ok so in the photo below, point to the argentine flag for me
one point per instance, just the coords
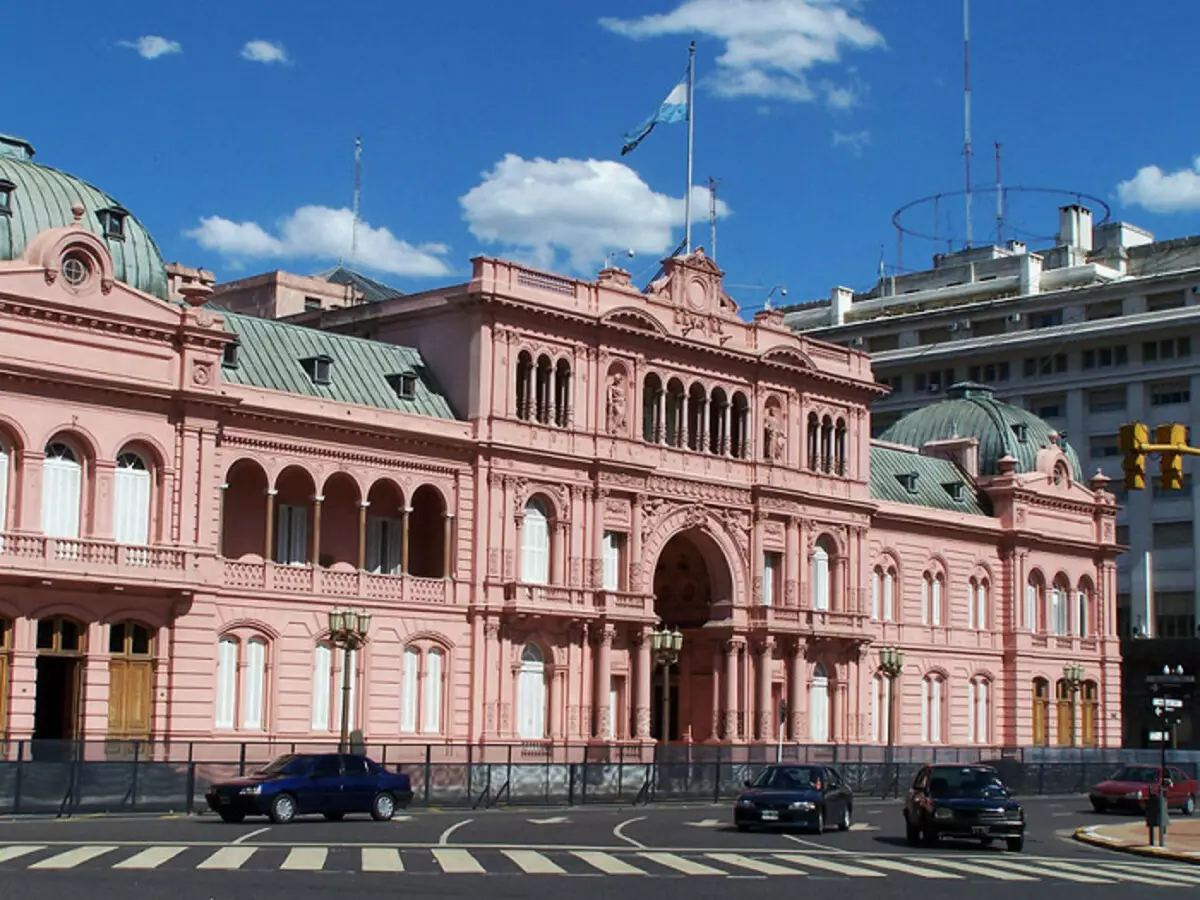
(673, 109)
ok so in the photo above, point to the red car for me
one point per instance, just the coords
(1130, 787)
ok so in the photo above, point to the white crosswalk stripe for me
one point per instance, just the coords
(399, 861)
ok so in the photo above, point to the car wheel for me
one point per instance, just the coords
(335, 817)
(283, 809)
(1189, 806)
(929, 837)
(1016, 844)
(383, 807)
(819, 825)
(912, 834)
(844, 821)
(232, 817)
(985, 842)
(1099, 806)
(742, 826)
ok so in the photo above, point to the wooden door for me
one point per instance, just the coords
(129, 699)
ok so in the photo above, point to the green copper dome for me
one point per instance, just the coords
(972, 410)
(34, 197)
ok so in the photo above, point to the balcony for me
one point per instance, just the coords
(835, 623)
(546, 599)
(270, 577)
(776, 618)
(89, 559)
(623, 605)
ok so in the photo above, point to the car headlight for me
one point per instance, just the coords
(1134, 795)
(252, 789)
(744, 803)
(942, 813)
(802, 804)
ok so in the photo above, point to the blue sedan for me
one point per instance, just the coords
(811, 796)
(331, 784)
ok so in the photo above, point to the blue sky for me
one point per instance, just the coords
(228, 127)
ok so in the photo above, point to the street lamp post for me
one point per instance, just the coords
(347, 630)
(1073, 677)
(665, 645)
(891, 664)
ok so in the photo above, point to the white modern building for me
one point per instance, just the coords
(1102, 328)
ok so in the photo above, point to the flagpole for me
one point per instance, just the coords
(687, 197)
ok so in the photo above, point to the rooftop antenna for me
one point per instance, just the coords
(999, 201)
(357, 194)
(712, 217)
(967, 109)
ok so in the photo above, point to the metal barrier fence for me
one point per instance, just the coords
(68, 778)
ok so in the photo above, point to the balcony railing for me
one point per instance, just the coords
(522, 597)
(623, 604)
(90, 556)
(277, 578)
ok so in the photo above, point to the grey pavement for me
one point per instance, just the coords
(502, 852)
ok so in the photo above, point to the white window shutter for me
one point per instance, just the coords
(971, 604)
(889, 592)
(1031, 595)
(254, 683)
(612, 562)
(876, 593)
(768, 579)
(374, 544)
(925, 590)
(299, 548)
(62, 487)
(820, 578)
(227, 662)
(981, 605)
(535, 546)
(935, 711)
(5, 462)
(321, 686)
(971, 726)
(131, 506)
(1082, 616)
(937, 601)
(409, 688)
(613, 698)
(431, 710)
(983, 711)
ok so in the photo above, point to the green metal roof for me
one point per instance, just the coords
(373, 291)
(43, 198)
(972, 410)
(272, 355)
(892, 479)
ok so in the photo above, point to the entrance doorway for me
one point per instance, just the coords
(131, 678)
(59, 687)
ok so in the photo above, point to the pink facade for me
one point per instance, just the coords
(175, 532)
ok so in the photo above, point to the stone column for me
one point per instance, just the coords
(317, 500)
(724, 447)
(661, 424)
(733, 649)
(645, 671)
(766, 715)
(222, 500)
(504, 723)
(269, 552)
(448, 545)
(716, 691)
(557, 675)
(796, 691)
(791, 574)
(637, 567)
(363, 506)
(602, 687)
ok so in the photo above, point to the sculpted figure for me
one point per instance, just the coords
(616, 404)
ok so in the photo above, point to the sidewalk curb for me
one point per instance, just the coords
(1089, 834)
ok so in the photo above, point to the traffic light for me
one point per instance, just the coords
(1170, 462)
(1133, 437)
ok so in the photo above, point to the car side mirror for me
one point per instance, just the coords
(745, 782)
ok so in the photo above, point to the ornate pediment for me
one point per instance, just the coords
(630, 317)
(788, 356)
(692, 286)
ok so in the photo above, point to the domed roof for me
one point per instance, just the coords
(972, 410)
(40, 197)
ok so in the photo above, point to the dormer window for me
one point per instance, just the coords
(6, 194)
(229, 357)
(113, 222)
(909, 481)
(955, 490)
(404, 384)
(1021, 430)
(319, 369)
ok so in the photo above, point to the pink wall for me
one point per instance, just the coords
(223, 456)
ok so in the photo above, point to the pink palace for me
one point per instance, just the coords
(519, 476)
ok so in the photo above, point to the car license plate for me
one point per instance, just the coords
(770, 815)
(979, 829)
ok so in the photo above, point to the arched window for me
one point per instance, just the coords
(826, 444)
(739, 426)
(431, 708)
(62, 492)
(322, 687)
(819, 567)
(562, 394)
(5, 465)
(1041, 712)
(131, 500)
(818, 705)
(978, 611)
(1033, 597)
(889, 595)
(718, 422)
(422, 690)
(931, 598)
(1059, 610)
(410, 686)
(241, 683)
(531, 695)
(876, 594)
(979, 715)
(1089, 709)
(652, 413)
(813, 447)
(1083, 610)
(932, 708)
(525, 386)
(544, 396)
(839, 448)
(535, 544)
(1066, 713)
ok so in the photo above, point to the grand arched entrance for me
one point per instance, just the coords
(692, 589)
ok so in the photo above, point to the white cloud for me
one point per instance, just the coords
(770, 45)
(1163, 192)
(319, 232)
(264, 52)
(855, 141)
(581, 208)
(151, 46)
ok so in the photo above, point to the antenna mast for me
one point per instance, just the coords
(712, 217)
(967, 108)
(357, 194)
(999, 200)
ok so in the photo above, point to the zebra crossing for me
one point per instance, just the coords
(399, 861)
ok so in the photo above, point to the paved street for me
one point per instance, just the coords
(440, 853)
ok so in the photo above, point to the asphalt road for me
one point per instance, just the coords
(643, 852)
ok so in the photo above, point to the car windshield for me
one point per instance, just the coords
(290, 764)
(1137, 774)
(789, 778)
(965, 781)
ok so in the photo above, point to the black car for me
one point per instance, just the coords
(332, 784)
(962, 801)
(807, 795)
